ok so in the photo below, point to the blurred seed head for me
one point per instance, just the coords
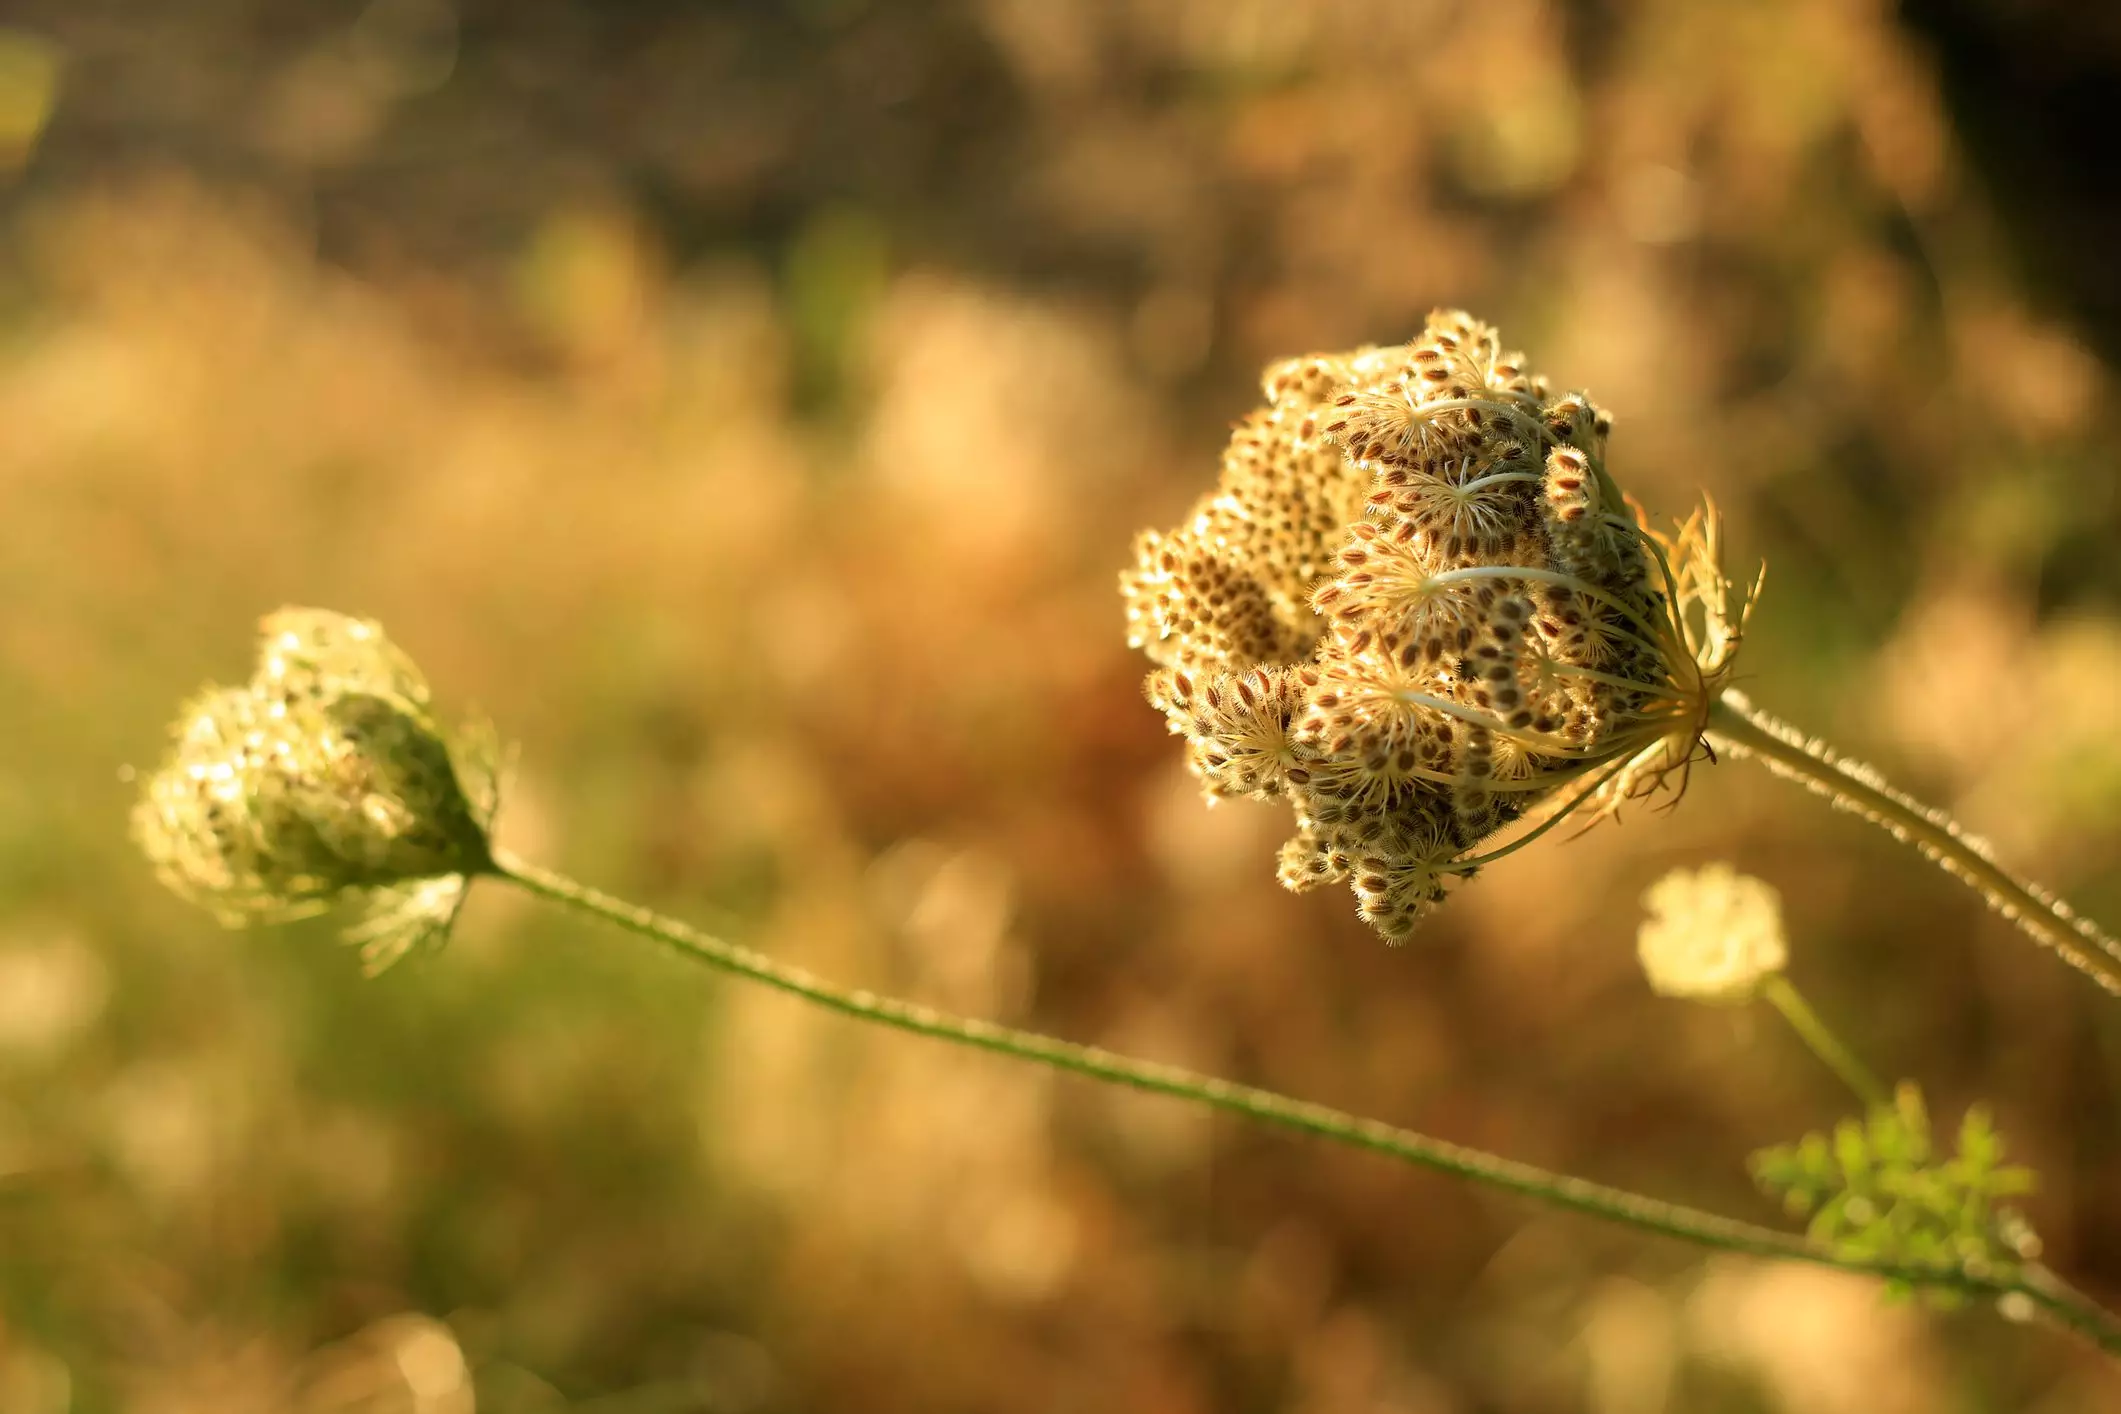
(1712, 934)
(1417, 606)
(324, 778)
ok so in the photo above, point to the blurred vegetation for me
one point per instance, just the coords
(749, 406)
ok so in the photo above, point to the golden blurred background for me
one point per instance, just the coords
(749, 405)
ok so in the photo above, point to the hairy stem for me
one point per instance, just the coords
(1742, 730)
(2032, 1284)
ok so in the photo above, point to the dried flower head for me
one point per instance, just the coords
(1417, 606)
(324, 777)
(1712, 934)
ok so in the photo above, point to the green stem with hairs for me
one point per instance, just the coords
(2031, 1284)
(1737, 727)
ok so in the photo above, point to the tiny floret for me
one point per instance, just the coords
(1416, 607)
(1712, 934)
(324, 778)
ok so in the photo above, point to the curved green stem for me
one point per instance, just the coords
(1779, 993)
(1554, 1189)
(1742, 730)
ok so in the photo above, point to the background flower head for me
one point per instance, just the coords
(1712, 934)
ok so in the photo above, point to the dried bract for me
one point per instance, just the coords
(1416, 606)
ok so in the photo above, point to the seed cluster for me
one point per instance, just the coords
(324, 774)
(1415, 605)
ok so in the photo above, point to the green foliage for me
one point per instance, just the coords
(1878, 1188)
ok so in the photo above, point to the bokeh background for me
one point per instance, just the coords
(749, 407)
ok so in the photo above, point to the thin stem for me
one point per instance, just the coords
(1495, 479)
(1778, 992)
(1568, 808)
(1554, 1189)
(2069, 1308)
(1574, 585)
(1736, 726)
(1573, 670)
(1548, 745)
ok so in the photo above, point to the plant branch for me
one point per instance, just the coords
(1615, 1205)
(1737, 727)
(1779, 993)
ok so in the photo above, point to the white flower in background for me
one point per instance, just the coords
(1713, 934)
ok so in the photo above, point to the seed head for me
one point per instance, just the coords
(1447, 615)
(1712, 934)
(323, 778)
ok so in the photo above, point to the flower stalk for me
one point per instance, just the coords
(1779, 993)
(2032, 1284)
(327, 780)
(1738, 728)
